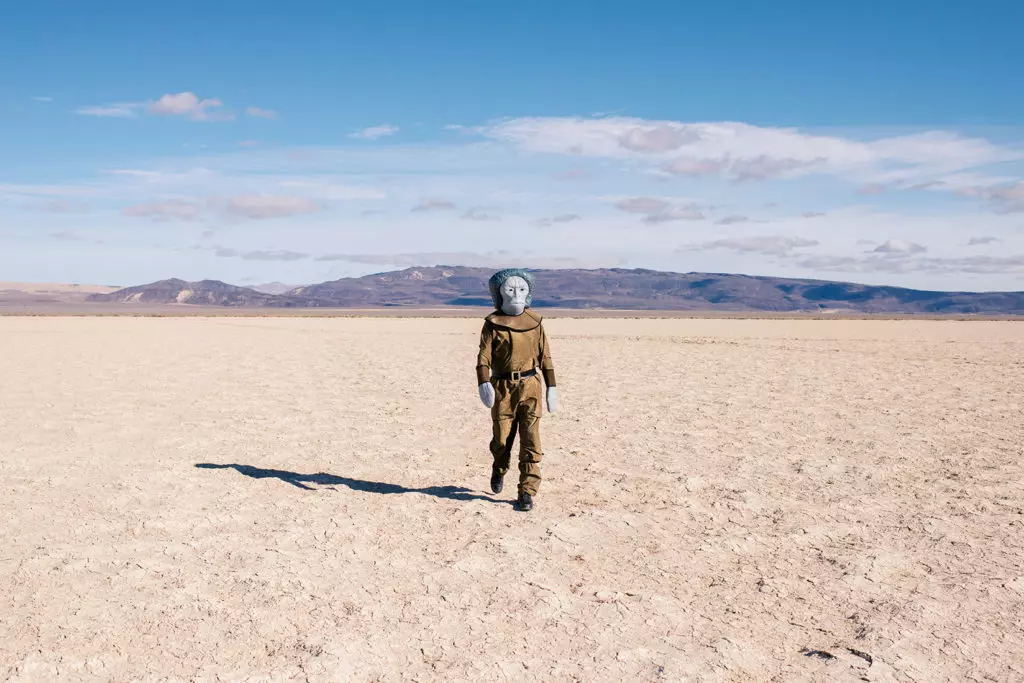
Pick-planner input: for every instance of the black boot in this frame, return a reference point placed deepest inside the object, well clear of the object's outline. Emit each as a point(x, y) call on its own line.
point(496, 480)
point(524, 503)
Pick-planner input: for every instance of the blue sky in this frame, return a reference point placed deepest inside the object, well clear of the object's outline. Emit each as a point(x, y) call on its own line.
point(258, 141)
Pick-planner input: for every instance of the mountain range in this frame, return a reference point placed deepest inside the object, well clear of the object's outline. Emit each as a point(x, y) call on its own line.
point(613, 289)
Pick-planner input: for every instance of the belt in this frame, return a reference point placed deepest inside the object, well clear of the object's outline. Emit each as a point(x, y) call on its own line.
point(515, 376)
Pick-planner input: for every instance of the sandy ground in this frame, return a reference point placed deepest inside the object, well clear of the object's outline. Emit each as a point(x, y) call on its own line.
point(306, 499)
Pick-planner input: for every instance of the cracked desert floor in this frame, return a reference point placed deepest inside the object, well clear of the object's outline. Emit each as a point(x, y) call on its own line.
point(201, 499)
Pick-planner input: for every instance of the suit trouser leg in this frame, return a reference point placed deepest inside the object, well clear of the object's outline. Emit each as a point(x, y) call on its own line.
point(504, 427)
point(517, 411)
point(528, 413)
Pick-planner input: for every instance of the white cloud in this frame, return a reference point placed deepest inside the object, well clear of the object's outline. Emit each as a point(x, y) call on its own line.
point(269, 206)
point(476, 213)
point(1005, 198)
point(61, 206)
point(675, 213)
point(494, 259)
point(646, 205)
point(977, 265)
point(118, 111)
point(253, 207)
point(657, 138)
point(660, 211)
point(575, 174)
point(261, 113)
point(433, 205)
point(772, 245)
point(688, 166)
point(740, 152)
point(871, 189)
point(561, 218)
point(260, 255)
point(187, 104)
point(974, 241)
point(198, 176)
point(21, 190)
point(326, 190)
point(899, 248)
point(627, 214)
point(375, 132)
point(165, 210)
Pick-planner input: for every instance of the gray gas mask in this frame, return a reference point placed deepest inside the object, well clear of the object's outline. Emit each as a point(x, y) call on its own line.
point(514, 293)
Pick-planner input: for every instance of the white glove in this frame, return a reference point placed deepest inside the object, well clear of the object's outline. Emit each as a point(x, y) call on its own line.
point(486, 394)
point(552, 399)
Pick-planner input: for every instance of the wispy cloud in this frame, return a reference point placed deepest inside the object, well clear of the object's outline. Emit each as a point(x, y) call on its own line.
point(188, 104)
point(626, 213)
point(657, 210)
point(574, 174)
point(1004, 198)
point(899, 248)
point(744, 152)
point(150, 177)
point(769, 245)
point(166, 210)
point(434, 205)
point(496, 259)
point(60, 206)
point(978, 265)
point(253, 207)
point(374, 132)
point(974, 241)
point(477, 213)
point(561, 218)
point(67, 236)
point(338, 191)
point(657, 138)
point(645, 205)
point(43, 99)
point(127, 110)
point(871, 189)
point(261, 255)
point(258, 207)
point(261, 113)
point(21, 190)
point(184, 104)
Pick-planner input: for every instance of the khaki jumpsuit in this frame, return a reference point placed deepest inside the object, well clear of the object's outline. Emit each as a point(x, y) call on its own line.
point(516, 344)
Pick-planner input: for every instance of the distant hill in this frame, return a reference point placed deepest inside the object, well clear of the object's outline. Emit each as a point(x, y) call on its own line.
point(204, 292)
point(273, 287)
point(35, 294)
point(614, 288)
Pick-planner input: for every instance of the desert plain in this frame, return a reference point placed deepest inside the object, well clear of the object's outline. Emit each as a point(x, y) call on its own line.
point(291, 498)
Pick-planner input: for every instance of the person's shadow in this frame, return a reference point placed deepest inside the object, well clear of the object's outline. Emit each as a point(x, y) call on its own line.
point(331, 480)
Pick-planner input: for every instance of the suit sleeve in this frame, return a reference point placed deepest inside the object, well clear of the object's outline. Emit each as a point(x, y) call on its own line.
point(547, 365)
point(483, 357)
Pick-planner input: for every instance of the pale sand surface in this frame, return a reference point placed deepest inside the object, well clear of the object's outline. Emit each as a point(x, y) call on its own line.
point(719, 495)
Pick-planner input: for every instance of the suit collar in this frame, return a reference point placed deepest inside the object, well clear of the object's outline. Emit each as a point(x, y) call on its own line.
point(528, 320)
